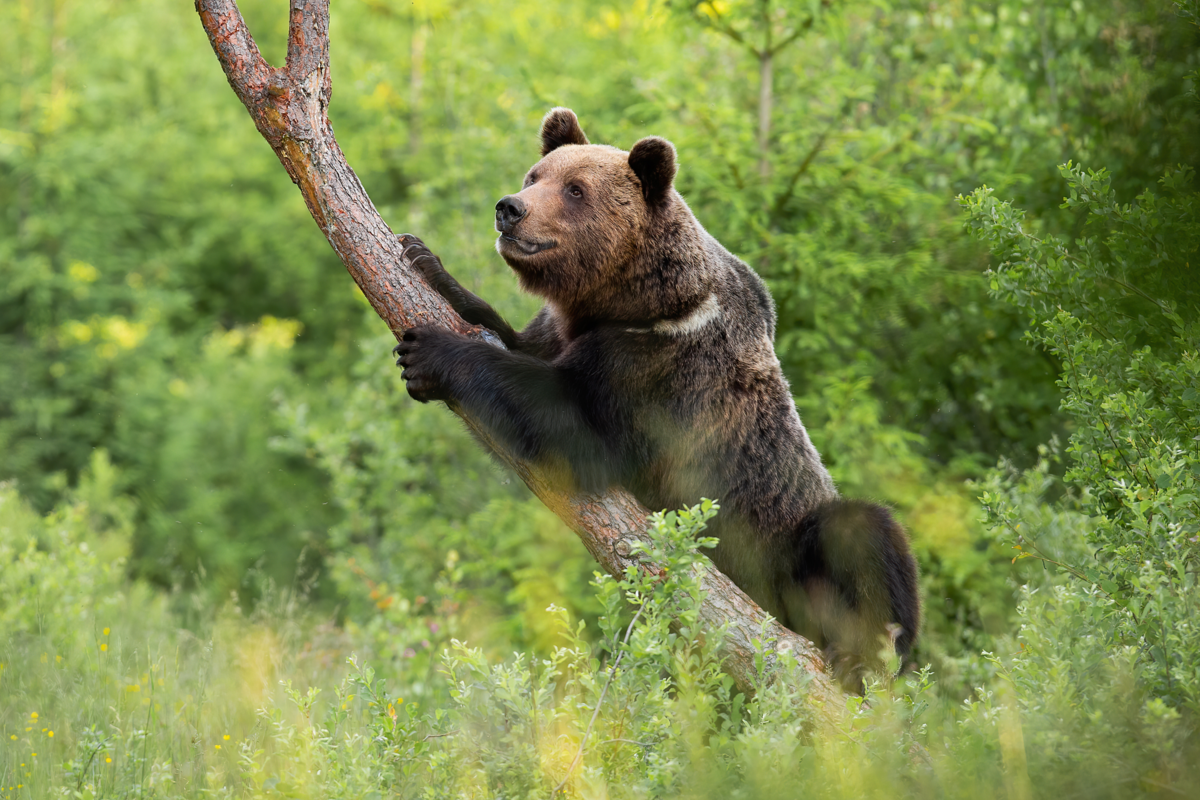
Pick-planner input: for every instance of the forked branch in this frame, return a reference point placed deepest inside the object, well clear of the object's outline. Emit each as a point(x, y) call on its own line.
point(289, 108)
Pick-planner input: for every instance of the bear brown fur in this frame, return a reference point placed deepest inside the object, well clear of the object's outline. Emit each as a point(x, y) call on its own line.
point(652, 366)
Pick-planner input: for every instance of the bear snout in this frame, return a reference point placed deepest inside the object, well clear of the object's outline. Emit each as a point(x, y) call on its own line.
point(509, 211)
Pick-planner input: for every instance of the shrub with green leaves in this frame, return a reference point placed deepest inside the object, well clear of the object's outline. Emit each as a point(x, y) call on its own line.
point(1121, 309)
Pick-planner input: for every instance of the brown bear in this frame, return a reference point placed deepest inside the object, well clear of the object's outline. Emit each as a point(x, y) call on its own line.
point(651, 366)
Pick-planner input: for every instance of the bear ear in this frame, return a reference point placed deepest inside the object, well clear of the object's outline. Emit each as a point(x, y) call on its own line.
point(561, 127)
point(653, 161)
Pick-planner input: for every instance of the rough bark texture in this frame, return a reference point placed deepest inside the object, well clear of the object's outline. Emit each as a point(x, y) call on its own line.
point(289, 106)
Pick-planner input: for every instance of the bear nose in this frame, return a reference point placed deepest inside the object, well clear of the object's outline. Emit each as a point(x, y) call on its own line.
point(509, 211)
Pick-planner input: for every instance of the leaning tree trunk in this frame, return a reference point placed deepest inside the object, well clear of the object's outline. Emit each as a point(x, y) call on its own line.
point(289, 106)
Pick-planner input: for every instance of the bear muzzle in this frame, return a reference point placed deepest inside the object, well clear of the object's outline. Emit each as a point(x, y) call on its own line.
point(527, 247)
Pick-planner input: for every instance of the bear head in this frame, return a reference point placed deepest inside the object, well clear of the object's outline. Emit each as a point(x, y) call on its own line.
point(583, 227)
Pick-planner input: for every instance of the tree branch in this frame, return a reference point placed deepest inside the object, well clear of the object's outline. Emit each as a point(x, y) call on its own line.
point(289, 107)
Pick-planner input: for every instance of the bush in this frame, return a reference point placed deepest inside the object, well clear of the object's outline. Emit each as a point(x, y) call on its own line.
point(1122, 311)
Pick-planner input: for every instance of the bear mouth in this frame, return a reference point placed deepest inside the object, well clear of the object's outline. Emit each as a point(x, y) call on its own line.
point(525, 246)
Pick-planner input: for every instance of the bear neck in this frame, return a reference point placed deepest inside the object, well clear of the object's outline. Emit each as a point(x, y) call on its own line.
point(672, 273)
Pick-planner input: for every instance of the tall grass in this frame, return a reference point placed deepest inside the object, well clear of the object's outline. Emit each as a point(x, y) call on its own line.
point(110, 689)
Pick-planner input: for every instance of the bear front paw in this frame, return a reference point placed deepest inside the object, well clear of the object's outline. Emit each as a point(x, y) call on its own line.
point(421, 354)
point(421, 258)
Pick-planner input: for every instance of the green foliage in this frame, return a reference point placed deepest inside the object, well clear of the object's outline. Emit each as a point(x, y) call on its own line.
point(103, 693)
point(210, 451)
point(121, 254)
point(68, 566)
point(1070, 667)
point(196, 437)
point(649, 681)
point(1120, 309)
point(270, 702)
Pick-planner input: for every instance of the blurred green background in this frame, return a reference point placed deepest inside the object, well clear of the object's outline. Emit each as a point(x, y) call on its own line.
point(183, 357)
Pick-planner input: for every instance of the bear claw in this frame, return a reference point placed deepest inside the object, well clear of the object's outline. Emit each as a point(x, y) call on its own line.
point(421, 373)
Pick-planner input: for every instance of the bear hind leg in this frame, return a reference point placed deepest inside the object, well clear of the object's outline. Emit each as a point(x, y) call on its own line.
point(851, 587)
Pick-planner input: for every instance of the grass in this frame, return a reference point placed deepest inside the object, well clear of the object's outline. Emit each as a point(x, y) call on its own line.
point(111, 689)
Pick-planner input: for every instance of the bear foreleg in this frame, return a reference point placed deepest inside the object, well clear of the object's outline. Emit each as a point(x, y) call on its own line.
point(466, 304)
point(526, 403)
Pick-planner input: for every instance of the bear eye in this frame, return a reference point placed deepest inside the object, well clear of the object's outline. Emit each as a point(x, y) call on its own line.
point(530, 180)
point(575, 191)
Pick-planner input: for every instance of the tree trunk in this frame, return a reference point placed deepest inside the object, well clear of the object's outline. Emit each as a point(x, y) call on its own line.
point(417, 57)
point(288, 106)
point(765, 101)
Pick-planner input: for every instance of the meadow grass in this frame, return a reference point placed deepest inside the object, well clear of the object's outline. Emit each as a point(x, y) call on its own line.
point(112, 689)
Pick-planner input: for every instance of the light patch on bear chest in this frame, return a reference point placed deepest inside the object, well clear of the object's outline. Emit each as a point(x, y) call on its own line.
point(704, 314)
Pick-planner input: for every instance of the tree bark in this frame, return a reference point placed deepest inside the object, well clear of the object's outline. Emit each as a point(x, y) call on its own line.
point(288, 106)
point(765, 86)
